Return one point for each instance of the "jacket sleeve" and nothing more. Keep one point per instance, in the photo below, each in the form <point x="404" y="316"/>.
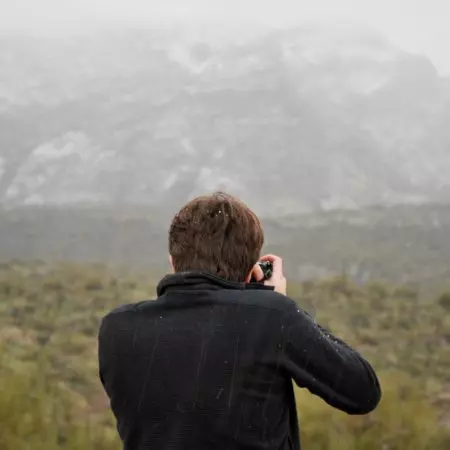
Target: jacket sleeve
<point x="327" y="367"/>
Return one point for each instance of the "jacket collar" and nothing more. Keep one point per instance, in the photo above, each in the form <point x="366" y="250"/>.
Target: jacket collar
<point x="194" y="280"/>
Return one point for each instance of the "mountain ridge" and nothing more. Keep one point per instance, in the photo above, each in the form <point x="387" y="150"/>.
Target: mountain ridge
<point x="294" y="120"/>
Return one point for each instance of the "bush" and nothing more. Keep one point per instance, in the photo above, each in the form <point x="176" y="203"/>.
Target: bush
<point x="37" y="415"/>
<point x="444" y="300"/>
<point x="405" y="419"/>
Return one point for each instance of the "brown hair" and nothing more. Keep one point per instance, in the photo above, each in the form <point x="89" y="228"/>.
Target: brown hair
<point x="218" y="234"/>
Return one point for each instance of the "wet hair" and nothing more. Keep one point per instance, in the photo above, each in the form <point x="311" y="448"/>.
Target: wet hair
<point x="218" y="234"/>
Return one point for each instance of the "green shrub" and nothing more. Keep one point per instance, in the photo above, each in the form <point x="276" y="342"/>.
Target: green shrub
<point x="444" y="300"/>
<point x="37" y="415"/>
<point x="405" y="419"/>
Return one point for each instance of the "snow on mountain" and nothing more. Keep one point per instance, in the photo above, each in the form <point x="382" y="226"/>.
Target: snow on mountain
<point x="293" y="119"/>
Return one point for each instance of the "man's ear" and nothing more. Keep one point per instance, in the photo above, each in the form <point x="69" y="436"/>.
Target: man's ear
<point x="255" y="273"/>
<point x="171" y="264"/>
<point x="249" y="277"/>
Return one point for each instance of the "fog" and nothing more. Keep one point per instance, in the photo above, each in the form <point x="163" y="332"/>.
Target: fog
<point x="415" y="25"/>
<point x="331" y="123"/>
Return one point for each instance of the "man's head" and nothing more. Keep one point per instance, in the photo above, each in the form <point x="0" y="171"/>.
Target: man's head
<point x="218" y="234"/>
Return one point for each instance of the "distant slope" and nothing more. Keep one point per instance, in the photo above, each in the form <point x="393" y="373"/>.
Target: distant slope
<point x="398" y="244"/>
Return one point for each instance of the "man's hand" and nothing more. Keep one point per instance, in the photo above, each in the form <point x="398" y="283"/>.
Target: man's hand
<point x="277" y="279"/>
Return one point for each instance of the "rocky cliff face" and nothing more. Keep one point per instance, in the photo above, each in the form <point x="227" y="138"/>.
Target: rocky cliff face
<point x="292" y="120"/>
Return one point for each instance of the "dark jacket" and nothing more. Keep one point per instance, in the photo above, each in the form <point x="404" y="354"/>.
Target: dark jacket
<point x="209" y="364"/>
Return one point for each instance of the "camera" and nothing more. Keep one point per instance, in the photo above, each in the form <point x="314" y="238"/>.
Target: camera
<point x="267" y="268"/>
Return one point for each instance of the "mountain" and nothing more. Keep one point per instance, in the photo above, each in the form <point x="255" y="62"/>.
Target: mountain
<point x="292" y="120"/>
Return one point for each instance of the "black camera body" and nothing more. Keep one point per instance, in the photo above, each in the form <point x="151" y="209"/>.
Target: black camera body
<point x="267" y="268"/>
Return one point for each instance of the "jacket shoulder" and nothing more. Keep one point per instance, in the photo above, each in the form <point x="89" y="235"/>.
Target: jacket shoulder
<point x="120" y="313"/>
<point x="270" y="300"/>
<point x="127" y="308"/>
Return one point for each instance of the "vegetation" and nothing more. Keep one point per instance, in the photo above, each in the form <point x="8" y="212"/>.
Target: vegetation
<point x="50" y="396"/>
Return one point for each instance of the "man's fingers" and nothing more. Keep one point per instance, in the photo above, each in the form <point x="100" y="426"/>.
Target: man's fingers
<point x="277" y="280"/>
<point x="277" y="267"/>
<point x="277" y="264"/>
<point x="269" y="257"/>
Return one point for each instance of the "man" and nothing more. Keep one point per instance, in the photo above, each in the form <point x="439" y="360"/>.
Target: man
<point x="209" y="364"/>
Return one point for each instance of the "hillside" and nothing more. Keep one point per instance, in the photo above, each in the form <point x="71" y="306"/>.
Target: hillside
<point x="400" y="245"/>
<point x="294" y="120"/>
<point x="49" y="317"/>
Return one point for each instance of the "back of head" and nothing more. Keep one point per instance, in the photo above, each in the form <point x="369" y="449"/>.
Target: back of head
<point x="218" y="234"/>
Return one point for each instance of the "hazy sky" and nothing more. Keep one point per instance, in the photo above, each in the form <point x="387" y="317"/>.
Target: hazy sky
<point x="417" y="25"/>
